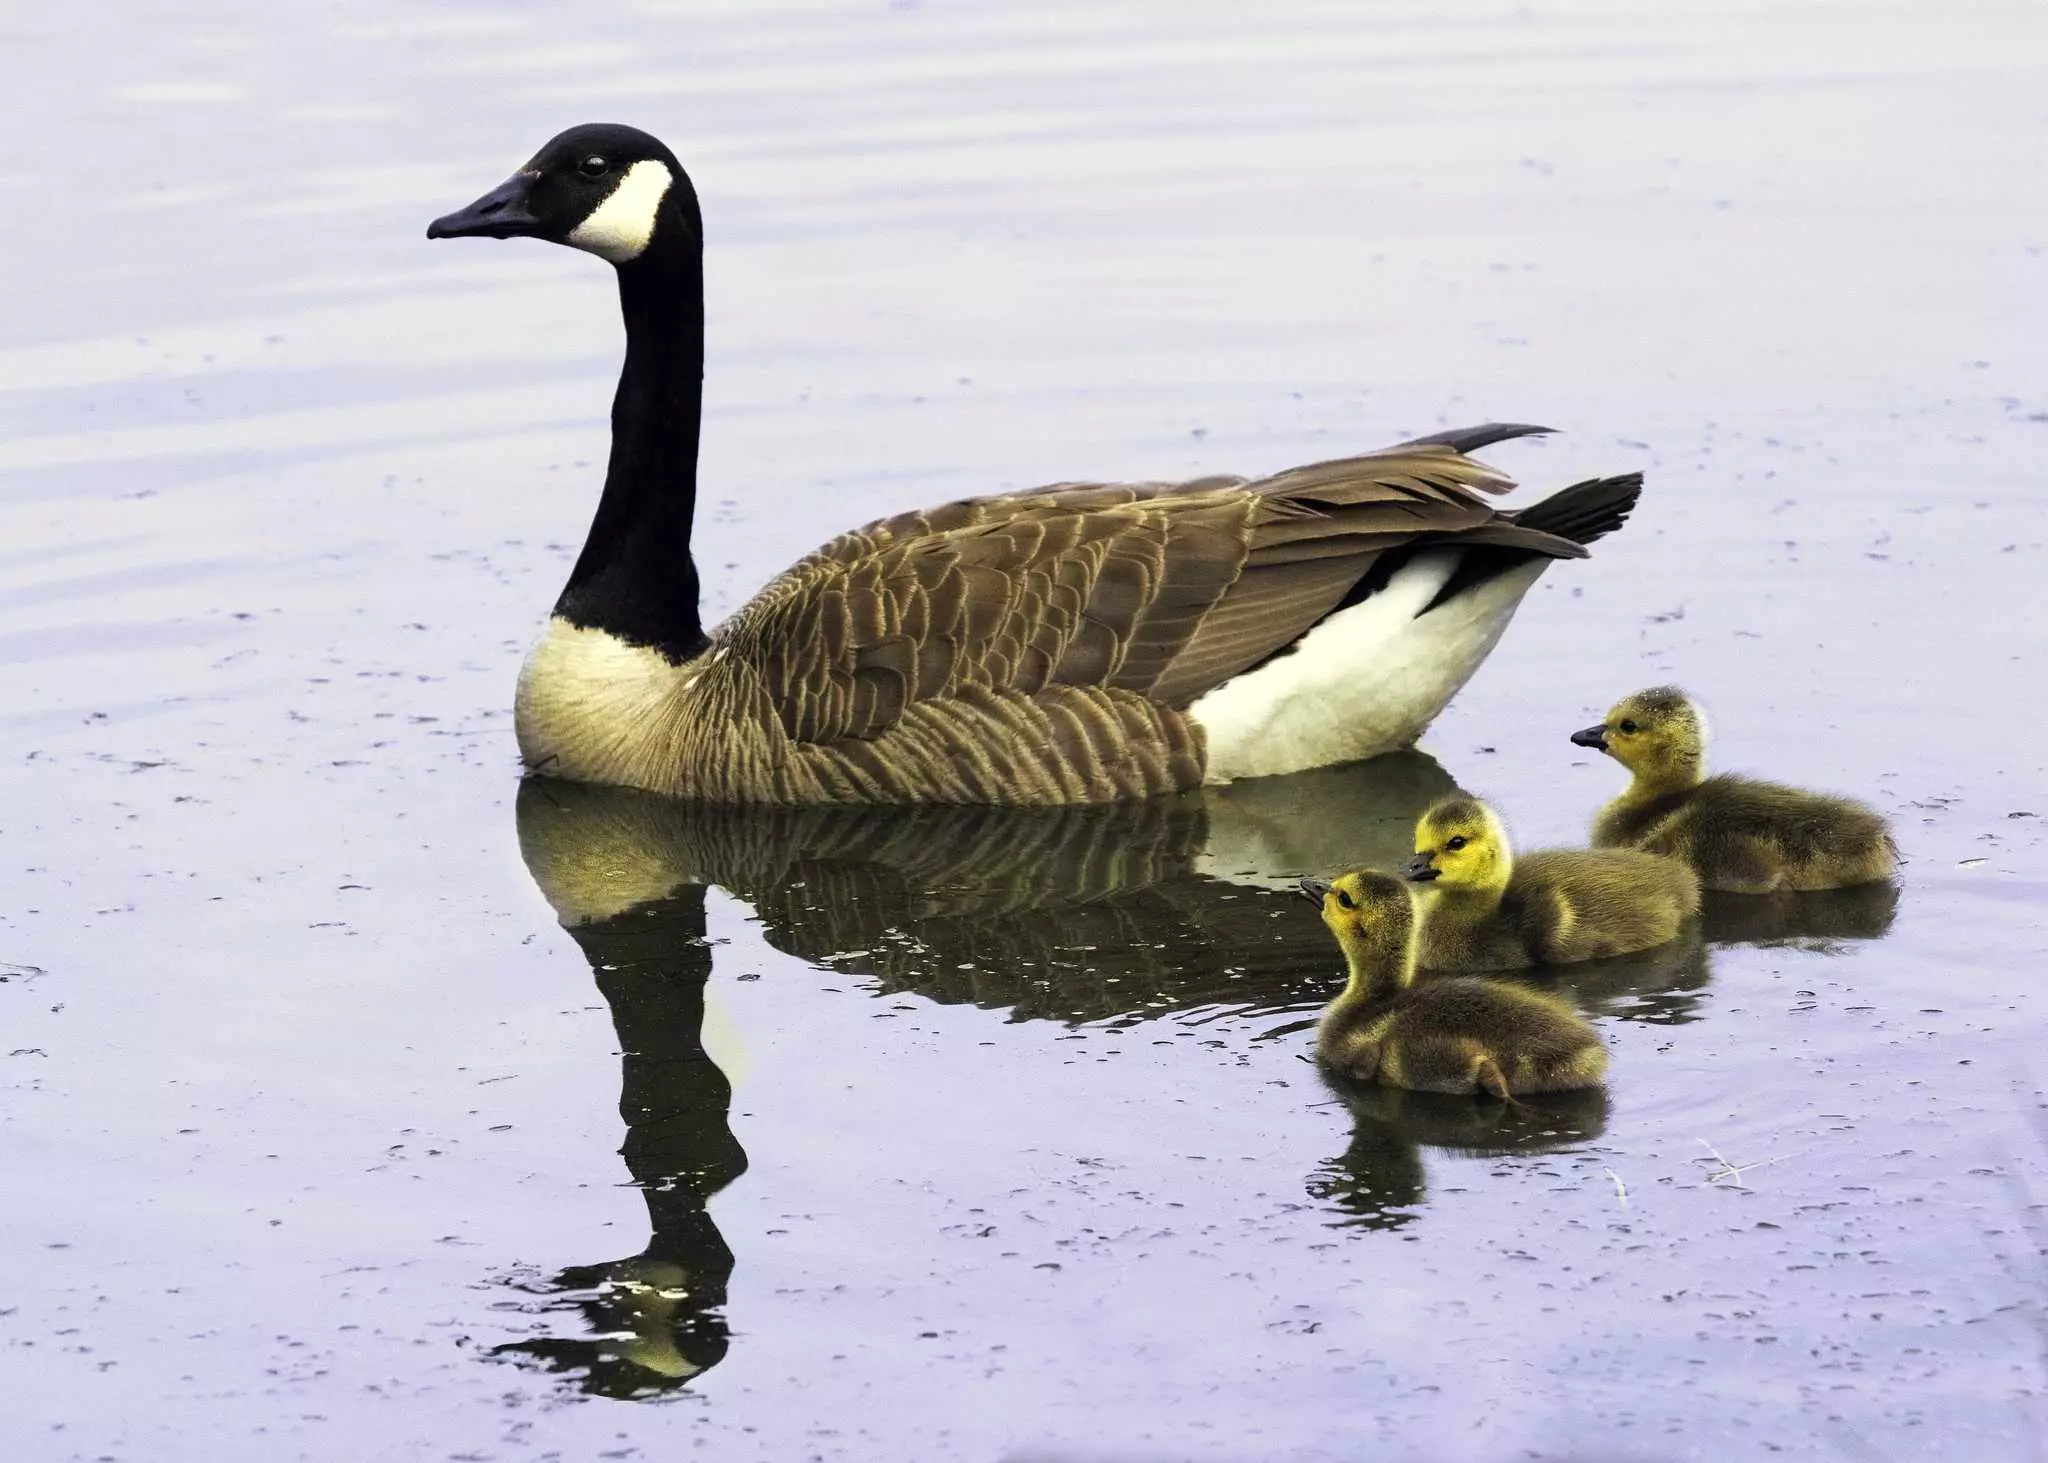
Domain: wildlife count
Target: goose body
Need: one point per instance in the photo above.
(1457, 1034)
(1485, 909)
(1077, 643)
(1741, 835)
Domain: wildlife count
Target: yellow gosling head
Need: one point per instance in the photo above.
(1460, 845)
(1373, 917)
(1659, 735)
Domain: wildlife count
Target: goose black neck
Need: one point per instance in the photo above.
(635, 578)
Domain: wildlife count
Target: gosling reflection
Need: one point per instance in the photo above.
(1380, 1181)
(654, 1319)
(1661, 986)
(1818, 919)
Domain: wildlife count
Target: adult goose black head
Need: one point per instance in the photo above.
(618, 193)
(1078, 643)
(602, 187)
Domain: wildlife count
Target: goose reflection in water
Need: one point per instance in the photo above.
(655, 1319)
(1176, 908)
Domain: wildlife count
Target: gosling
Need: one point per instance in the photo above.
(1457, 1035)
(1487, 910)
(1740, 835)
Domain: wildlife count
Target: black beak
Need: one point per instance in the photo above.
(1421, 870)
(1313, 890)
(506, 212)
(1593, 736)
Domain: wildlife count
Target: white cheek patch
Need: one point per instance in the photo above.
(620, 228)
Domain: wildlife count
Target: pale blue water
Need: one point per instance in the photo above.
(972, 1139)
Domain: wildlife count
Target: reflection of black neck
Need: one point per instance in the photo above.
(635, 578)
(652, 964)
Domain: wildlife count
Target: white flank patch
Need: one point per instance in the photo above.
(1367, 680)
(620, 228)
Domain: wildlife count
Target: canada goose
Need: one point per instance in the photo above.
(1077, 643)
(1459, 1035)
(1485, 909)
(1740, 835)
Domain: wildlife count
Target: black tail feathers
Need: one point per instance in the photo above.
(1585, 511)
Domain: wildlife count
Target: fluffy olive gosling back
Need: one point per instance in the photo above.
(1739, 834)
(1460, 1036)
(1484, 909)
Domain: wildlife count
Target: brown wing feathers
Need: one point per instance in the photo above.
(1317, 531)
(1162, 590)
(1241, 630)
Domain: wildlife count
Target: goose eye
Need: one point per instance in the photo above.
(1345, 899)
(593, 167)
(1628, 726)
(1454, 844)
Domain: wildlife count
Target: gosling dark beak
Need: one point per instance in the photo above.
(506, 212)
(1593, 736)
(1421, 870)
(1313, 890)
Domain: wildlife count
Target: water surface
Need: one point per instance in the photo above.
(361, 1102)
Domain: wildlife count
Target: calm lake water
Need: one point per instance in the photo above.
(357, 1102)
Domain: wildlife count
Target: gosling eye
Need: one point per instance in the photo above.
(1345, 899)
(1454, 844)
(1628, 726)
(594, 166)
